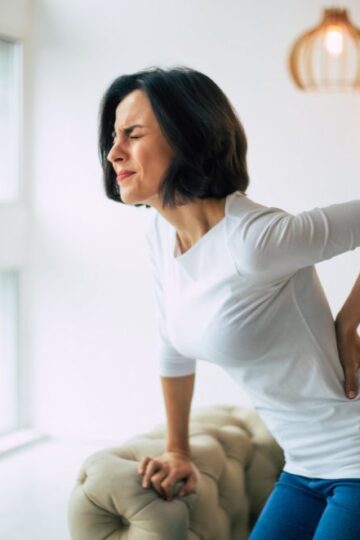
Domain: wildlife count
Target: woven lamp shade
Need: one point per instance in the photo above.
(327, 57)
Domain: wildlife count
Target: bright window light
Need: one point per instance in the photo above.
(8, 351)
(10, 88)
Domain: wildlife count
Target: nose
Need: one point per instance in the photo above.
(114, 153)
(111, 153)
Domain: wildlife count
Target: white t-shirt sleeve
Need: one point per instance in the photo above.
(171, 362)
(271, 243)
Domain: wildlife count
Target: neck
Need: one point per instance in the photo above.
(193, 220)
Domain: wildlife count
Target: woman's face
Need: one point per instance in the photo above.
(143, 150)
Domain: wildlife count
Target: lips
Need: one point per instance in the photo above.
(123, 175)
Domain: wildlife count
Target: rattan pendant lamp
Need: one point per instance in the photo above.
(327, 57)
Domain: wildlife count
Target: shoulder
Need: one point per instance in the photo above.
(156, 233)
(152, 225)
(244, 211)
(253, 229)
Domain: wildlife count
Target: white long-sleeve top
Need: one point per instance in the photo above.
(247, 297)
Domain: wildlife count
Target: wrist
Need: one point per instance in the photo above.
(181, 451)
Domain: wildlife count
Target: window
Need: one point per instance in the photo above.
(15, 218)
(10, 84)
(11, 230)
(8, 351)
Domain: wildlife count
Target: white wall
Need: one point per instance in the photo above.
(92, 330)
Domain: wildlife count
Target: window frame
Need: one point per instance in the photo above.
(16, 217)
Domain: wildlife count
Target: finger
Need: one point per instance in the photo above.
(157, 479)
(152, 467)
(188, 487)
(351, 385)
(142, 464)
(167, 485)
(165, 473)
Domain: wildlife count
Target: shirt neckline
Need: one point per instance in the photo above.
(177, 255)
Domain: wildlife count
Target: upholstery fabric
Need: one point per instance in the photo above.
(239, 462)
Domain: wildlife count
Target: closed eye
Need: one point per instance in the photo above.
(113, 135)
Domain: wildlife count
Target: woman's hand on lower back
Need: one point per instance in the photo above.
(164, 471)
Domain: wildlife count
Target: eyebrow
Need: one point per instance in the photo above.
(130, 128)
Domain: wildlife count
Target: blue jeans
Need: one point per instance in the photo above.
(303, 508)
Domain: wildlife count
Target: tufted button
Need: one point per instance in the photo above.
(124, 522)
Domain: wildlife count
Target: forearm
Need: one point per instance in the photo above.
(178, 392)
(349, 314)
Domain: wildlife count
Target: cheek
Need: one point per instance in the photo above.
(153, 159)
(154, 162)
(164, 158)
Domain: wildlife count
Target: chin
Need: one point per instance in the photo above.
(130, 198)
(132, 195)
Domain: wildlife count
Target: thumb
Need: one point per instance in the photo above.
(189, 486)
(351, 384)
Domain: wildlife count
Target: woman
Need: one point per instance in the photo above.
(235, 284)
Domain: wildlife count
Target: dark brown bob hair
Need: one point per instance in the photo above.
(200, 125)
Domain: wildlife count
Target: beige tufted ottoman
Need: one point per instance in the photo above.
(239, 462)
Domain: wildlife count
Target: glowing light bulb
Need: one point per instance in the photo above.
(326, 57)
(334, 40)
